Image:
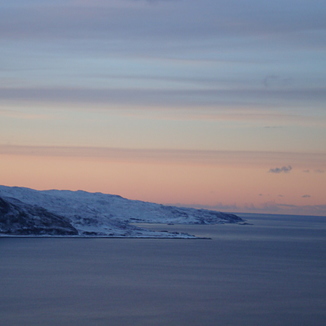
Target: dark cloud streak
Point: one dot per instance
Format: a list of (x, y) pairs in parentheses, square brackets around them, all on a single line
[(283, 169), (179, 20), (190, 97)]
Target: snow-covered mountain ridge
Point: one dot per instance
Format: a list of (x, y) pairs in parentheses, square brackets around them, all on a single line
[(100, 214)]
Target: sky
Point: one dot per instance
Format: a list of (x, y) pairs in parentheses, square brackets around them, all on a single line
[(218, 104)]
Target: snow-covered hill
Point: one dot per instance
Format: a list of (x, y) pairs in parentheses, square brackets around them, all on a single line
[(110, 215)]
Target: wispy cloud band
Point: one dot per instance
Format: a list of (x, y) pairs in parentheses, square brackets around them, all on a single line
[(183, 98), (228, 158)]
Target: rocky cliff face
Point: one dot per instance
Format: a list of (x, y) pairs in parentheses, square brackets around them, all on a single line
[(18, 218)]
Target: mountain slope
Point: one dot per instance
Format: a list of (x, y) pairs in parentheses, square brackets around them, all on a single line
[(101, 214), (17, 218)]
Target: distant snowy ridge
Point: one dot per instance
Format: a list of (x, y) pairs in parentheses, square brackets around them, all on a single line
[(100, 214)]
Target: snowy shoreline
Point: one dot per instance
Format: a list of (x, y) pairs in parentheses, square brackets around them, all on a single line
[(100, 237), (64, 213)]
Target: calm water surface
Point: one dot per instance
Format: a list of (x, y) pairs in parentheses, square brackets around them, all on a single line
[(270, 273)]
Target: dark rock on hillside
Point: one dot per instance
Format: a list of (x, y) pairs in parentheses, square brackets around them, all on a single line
[(18, 218)]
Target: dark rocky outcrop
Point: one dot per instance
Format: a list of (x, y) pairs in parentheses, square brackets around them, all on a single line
[(18, 218)]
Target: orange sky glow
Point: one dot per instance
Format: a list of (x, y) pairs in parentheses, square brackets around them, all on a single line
[(168, 179)]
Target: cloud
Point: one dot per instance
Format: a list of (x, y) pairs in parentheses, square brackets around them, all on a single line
[(285, 169), (189, 19), (212, 157), (276, 81), (184, 97), (315, 171)]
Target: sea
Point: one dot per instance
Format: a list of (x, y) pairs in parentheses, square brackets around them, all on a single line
[(269, 272)]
